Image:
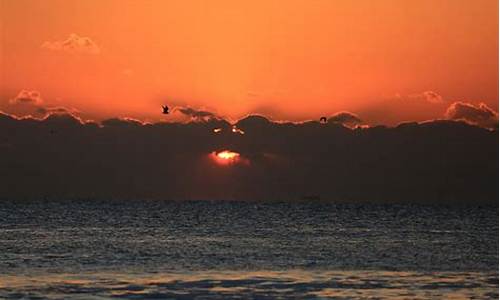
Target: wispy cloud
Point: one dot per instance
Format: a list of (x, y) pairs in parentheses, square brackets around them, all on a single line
[(429, 96), (195, 114), (31, 103), (74, 44), (27, 97)]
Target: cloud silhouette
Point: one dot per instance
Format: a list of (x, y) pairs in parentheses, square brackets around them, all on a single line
[(73, 44), (117, 122), (433, 162), (254, 121), (62, 120), (480, 115), (345, 118)]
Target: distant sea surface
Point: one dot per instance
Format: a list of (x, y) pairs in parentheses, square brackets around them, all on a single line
[(213, 250)]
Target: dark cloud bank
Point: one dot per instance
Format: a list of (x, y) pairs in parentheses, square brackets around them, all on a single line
[(432, 162)]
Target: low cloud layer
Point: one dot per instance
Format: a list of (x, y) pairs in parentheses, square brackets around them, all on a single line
[(73, 44), (60, 157), (480, 115), (29, 103)]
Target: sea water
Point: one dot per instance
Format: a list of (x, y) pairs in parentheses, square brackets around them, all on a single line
[(90, 249)]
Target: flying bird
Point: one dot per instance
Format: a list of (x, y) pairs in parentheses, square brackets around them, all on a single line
[(165, 109)]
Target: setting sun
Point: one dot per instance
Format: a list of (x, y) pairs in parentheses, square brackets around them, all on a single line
[(228, 155)]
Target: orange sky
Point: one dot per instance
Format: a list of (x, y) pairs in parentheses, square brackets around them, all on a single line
[(294, 60)]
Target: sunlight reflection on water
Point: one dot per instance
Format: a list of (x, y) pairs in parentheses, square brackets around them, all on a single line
[(257, 285)]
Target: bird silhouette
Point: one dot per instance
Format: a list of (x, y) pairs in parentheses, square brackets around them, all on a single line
[(165, 109)]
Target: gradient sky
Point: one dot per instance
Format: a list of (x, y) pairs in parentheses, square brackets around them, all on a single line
[(292, 60)]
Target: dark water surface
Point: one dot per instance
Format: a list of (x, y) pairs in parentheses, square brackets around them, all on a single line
[(160, 250)]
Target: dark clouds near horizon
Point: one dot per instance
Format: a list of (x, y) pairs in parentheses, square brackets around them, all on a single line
[(60, 157), (480, 115)]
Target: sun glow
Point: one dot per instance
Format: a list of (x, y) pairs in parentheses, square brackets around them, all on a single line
[(237, 130), (228, 155)]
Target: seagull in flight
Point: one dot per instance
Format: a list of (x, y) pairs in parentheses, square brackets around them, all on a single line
[(165, 109)]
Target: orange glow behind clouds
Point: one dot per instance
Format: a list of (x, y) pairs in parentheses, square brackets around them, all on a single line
[(237, 130), (291, 60)]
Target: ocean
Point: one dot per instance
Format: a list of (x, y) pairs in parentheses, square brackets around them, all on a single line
[(90, 249)]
